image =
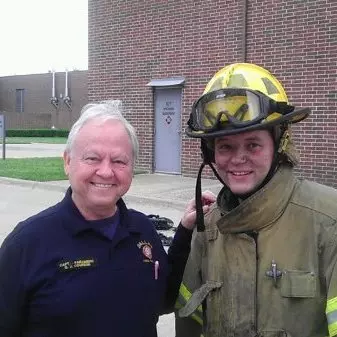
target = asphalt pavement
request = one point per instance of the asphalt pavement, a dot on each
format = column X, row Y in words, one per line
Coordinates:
column 162, row 194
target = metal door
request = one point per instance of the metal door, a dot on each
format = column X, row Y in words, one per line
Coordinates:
column 167, row 103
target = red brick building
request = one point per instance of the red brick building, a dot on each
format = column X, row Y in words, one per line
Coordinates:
column 142, row 50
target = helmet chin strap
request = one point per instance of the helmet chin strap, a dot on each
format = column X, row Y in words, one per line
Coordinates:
column 198, row 202
column 198, row 197
column 233, row 200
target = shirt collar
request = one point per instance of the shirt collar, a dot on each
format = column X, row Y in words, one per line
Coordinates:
column 75, row 223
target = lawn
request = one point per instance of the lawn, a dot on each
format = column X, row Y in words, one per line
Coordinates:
column 36, row 169
column 29, row 140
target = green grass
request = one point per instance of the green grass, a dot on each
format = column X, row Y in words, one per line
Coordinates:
column 29, row 140
column 36, row 169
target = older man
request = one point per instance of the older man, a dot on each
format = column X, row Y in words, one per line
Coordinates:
column 89, row 266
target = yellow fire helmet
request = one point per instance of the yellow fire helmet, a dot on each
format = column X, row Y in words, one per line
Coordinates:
column 241, row 97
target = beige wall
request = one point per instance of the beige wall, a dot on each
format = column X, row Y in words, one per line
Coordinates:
column 38, row 111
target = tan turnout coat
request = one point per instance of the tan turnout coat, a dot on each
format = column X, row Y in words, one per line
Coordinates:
column 266, row 268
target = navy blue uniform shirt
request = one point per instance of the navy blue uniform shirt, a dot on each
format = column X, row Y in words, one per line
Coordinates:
column 63, row 276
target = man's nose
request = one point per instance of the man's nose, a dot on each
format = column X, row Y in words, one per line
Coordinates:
column 239, row 156
column 105, row 169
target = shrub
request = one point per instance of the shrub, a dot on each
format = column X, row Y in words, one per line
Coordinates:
column 37, row 133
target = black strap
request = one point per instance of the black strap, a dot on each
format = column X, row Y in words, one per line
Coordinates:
column 198, row 200
column 198, row 203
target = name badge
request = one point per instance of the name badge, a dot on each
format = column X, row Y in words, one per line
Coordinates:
column 68, row 265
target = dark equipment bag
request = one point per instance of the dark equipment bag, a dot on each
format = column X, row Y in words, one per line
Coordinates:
column 162, row 223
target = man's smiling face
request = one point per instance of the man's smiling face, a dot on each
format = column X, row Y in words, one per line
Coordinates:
column 99, row 167
column 243, row 160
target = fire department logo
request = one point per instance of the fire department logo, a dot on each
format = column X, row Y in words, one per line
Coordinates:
column 147, row 252
column 146, row 248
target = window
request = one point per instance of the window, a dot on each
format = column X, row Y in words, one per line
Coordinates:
column 19, row 104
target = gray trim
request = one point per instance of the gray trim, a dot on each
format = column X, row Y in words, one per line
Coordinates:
column 332, row 317
column 167, row 82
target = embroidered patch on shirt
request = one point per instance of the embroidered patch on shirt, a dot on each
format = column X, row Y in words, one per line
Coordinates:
column 146, row 248
column 76, row 264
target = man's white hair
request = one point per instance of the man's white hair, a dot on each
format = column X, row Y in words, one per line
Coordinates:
column 103, row 111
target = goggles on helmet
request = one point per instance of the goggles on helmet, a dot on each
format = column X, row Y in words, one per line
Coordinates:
column 234, row 107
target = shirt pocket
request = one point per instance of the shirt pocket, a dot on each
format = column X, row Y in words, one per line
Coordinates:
column 298, row 283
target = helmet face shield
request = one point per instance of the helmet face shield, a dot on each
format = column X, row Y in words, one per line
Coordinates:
column 234, row 107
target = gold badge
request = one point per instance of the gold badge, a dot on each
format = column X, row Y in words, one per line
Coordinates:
column 146, row 248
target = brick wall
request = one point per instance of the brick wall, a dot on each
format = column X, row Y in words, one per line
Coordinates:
column 132, row 42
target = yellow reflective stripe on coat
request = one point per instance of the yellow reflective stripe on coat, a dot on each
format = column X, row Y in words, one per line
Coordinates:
column 331, row 315
column 184, row 296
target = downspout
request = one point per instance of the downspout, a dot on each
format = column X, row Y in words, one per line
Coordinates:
column 244, row 31
column 54, row 100
column 66, row 99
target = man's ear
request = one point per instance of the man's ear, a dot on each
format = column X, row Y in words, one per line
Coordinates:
column 66, row 162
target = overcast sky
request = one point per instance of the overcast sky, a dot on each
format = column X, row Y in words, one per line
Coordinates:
column 41, row 35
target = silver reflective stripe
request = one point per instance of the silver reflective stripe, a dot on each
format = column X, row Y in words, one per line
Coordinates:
column 332, row 317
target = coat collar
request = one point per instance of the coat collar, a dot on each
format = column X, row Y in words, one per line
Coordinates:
column 262, row 208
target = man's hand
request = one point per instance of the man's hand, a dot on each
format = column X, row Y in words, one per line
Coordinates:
column 190, row 214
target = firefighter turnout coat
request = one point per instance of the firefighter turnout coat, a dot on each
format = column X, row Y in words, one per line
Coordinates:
column 267, row 267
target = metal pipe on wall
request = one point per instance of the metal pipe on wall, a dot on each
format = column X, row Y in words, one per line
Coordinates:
column 53, row 89
column 66, row 85
column 66, row 99
column 54, row 100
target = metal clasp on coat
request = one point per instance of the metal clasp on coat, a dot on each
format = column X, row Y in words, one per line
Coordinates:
column 274, row 272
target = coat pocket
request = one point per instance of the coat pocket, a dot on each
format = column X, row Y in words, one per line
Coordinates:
column 198, row 297
column 298, row 283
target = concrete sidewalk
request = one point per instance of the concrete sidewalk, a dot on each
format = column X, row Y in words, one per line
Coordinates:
column 161, row 194
column 33, row 150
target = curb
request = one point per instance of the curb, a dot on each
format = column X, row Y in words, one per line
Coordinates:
column 32, row 184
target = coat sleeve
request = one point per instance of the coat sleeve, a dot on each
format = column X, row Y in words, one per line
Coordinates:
column 11, row 289
column 177, row 258
column 330, row 267
column 190, row 326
